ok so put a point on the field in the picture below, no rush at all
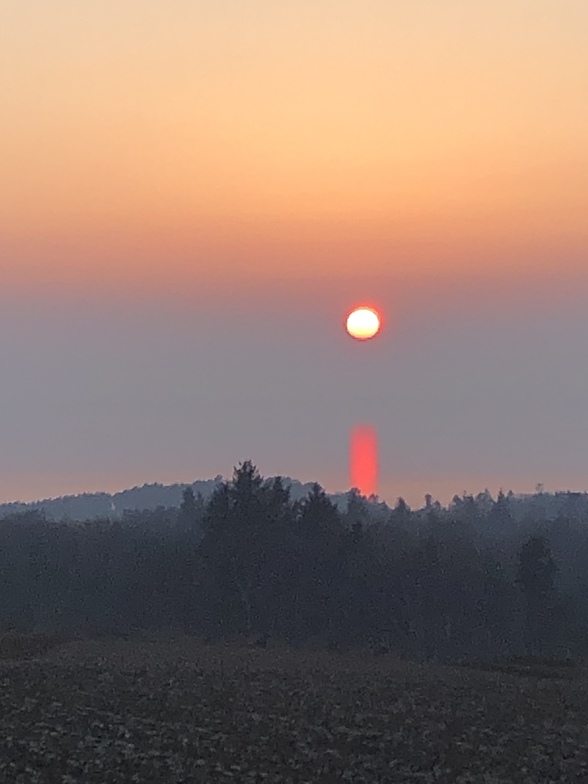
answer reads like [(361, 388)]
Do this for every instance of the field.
[(182, 711)]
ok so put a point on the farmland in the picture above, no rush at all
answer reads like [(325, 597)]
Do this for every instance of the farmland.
[(149, 711)]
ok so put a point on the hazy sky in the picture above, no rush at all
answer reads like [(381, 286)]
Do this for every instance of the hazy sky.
[(194, 193)]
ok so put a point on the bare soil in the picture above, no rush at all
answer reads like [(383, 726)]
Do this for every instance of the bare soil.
[(181, 711)]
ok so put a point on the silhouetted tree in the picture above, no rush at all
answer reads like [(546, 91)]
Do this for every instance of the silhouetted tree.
[(535, 578), (236, 522)]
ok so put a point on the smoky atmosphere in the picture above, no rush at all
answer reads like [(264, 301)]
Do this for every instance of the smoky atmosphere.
[(294, 479)]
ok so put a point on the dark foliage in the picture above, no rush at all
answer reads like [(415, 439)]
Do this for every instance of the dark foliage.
[(476, 580)]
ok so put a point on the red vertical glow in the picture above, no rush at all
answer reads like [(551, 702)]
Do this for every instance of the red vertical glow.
[(363, 459)]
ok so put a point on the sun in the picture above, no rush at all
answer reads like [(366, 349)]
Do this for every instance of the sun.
[(363, 323)]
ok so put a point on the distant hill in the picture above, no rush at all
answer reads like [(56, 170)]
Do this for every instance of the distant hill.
[(89, 506)]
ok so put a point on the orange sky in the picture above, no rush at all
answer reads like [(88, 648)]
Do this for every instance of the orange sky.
[(427, 134)]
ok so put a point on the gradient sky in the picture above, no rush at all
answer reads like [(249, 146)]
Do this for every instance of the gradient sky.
[(194, 193)]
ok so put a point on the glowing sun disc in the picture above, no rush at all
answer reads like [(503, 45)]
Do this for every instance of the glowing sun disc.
[(363, 323)]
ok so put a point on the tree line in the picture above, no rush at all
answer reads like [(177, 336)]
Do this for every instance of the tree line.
[(466, 581)]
